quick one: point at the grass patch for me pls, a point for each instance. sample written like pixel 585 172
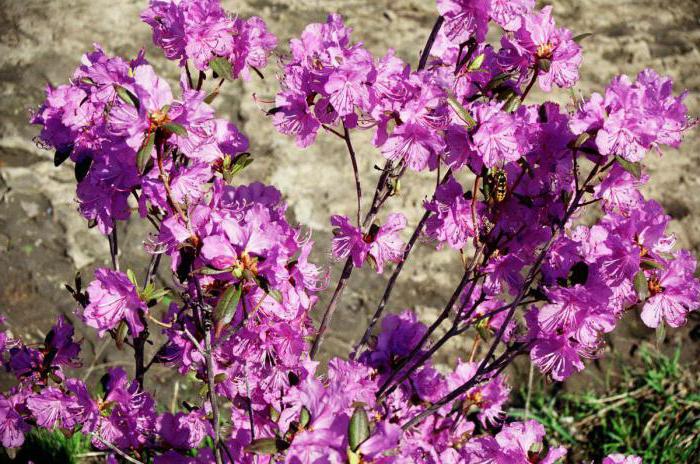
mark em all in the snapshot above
pixel 652 412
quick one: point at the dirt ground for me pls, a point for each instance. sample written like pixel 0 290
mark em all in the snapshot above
pixel 43 240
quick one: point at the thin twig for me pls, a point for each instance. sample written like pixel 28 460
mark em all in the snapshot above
pixel 353 160
pixel 115 449
pixel 429 44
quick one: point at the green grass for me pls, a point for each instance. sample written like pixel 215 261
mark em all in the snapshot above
pixel 652 412
pixel 51 447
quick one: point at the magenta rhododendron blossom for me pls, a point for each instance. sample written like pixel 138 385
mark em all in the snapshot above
pixel 540 42
pixel 113 298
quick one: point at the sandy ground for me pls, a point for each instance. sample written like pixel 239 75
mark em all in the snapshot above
pixel 43 240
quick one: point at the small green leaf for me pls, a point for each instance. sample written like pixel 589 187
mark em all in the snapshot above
pixel 132 277
pixel 497 81
pixel 641 286
pixel 213 271
pixel 461 112
pixel 241 162
pixel 545 64
pixel 633 168
pixel 62 154
pixel 176 129
pixel 211 97
pixel 221 67
pixel 304 417
pixel 266 446
pixel 512 104
pixel 144 154
pixel 218 378
pixel 122 332
pixel 581 139
pixel 476 63
pixel 227 305
pixel 127 96
pixel 581 37
pixel 353 457
pixel 358 429
pixel 274 414
pixel 649 264
pixel 275 295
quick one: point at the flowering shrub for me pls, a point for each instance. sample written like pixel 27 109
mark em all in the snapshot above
pixel 538 280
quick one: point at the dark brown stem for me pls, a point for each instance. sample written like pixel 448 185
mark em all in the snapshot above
pixel 113 240
pixel 330 310
pixel 429 44
pixel 395 275
pixel 353 160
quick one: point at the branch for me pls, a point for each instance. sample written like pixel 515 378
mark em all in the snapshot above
pixel 353 159
pixel 395 275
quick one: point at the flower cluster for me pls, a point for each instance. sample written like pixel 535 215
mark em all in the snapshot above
pixel 202 31
pixel 237 320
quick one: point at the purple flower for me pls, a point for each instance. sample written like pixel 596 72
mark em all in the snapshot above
pixel 451 221
pixel 496 140
pixel 12 426
pixel 348 241
pixel 464 19
pixel 508 13
pixel 387 245
pixel 292 116
pixel 674 292
pixel 539 41
pixel 621 459
pixel 52 408
pixel 183 431
pixel 113 298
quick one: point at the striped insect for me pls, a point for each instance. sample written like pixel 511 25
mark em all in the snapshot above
pixel 499 184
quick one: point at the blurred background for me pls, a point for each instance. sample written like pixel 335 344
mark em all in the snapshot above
pixel 43 241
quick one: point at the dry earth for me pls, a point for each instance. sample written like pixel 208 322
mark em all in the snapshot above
pixel 43 240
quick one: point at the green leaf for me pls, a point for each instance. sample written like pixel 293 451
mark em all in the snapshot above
pixel 512 104
pixel 461 112
pixel 633 168
pixel 221 67
pixel 220 377
pixel 176 129
pixel 581 37
pixel 497 81
pixel 358 429
pixel 211 97
pixel 120 336
pixel 227 305
pixel 144 154
pixel 650 264
pixel 545 64
pixel 213 271
pixel 127 96
pixel 241 162
pixel 132 277
pixel 581 139
pixel 266 446
pixel 353 457
pixel 476 63
pixel 61 155
pixel 304 417
pixel 275 295
pixel 641 286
